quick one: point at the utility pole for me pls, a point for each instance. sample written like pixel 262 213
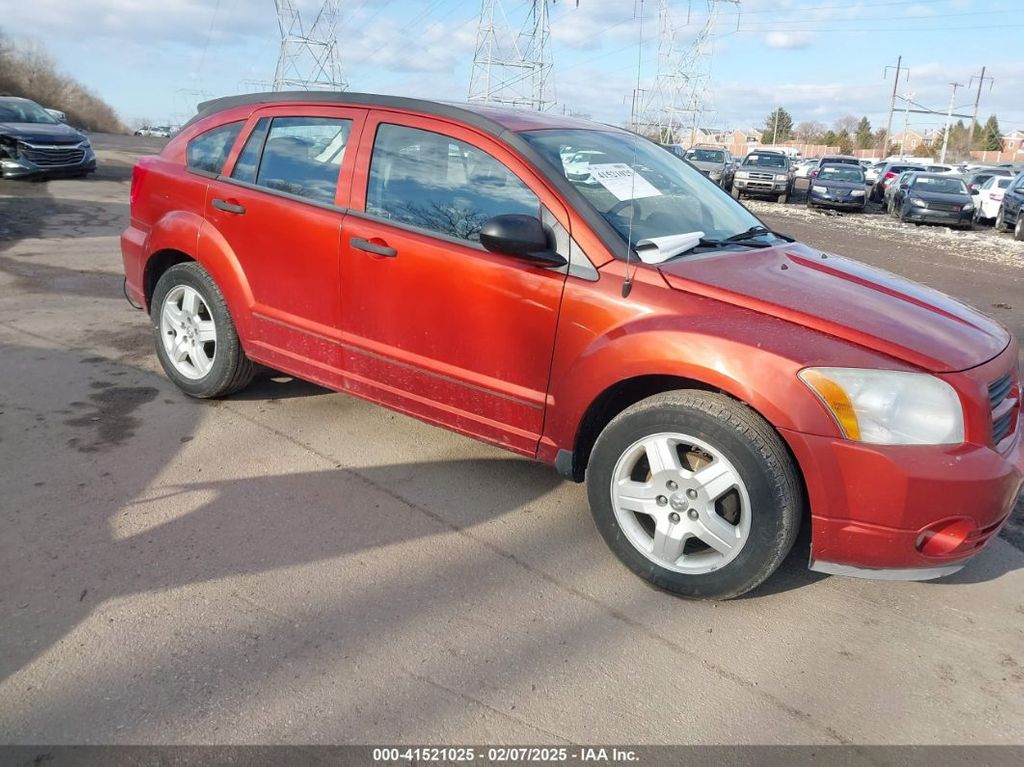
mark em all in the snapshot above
pixel 775 136
pixel 892 101
pixel 949 117
pixel 977 99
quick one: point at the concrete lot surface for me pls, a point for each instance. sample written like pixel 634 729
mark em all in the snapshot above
pixel 293 565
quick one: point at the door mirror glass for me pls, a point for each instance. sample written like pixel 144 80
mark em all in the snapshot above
pixel 520 236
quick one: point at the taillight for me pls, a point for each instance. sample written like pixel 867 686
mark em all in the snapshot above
pixel 890 175
pixel 133 190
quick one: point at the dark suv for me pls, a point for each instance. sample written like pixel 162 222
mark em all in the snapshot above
pixel 35 143
pixel 1011 212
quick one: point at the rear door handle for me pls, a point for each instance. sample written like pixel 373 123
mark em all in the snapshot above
pixel 229 207
pixel 371 247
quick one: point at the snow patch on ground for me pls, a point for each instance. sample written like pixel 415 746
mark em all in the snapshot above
pixel 983 244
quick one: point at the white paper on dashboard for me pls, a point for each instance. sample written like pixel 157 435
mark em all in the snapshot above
pixel 656 250
pixel 622 181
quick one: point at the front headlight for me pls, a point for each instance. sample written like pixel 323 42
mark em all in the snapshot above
pixel 857 193
pixel 888 407
pixel 742 174
pixel 716 174
pixel 819 189
pixel 917 202
pixel 968 206
pixel 781 177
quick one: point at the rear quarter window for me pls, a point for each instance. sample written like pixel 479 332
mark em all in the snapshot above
pixel 208 151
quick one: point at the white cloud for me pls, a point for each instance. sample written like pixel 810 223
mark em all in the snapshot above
pixel 787 40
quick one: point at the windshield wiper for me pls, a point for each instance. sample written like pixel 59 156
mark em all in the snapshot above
pixel 756 231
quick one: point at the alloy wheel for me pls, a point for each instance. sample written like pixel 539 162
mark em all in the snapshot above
pixel 681 503
pixel 188 332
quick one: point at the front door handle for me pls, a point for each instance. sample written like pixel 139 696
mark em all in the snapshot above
pixel 229 207
pixel 372 247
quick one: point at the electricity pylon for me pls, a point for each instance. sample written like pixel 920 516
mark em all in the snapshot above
pixel 513 69
pixel 674 106
pixel 309 58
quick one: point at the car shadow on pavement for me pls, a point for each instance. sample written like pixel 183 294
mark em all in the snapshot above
pixel 87 473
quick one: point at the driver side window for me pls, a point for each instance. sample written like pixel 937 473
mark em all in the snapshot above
pixel 435 182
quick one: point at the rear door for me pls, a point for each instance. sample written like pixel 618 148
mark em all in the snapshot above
pixel 434 324
pixel 280 210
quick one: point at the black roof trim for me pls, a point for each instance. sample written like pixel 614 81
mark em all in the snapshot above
pixel 349 98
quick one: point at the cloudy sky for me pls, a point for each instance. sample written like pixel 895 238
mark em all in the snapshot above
pixel 821 59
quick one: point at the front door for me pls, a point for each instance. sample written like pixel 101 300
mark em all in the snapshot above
pixel 432 323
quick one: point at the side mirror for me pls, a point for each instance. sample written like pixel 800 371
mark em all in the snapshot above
pixel 520 236
pixel 975 190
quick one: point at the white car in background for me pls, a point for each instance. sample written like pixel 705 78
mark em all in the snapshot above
pixel 577 167
pixel 989 198
pixel 804 167
pixel 871 172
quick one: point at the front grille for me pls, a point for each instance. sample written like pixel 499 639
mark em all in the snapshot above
pixel 762 176
pixel 944 207
pixel 51 157
pixel 1004 401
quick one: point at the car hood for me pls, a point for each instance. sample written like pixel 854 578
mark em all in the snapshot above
pixel 848 300
pixel 41 133
pixel 705 165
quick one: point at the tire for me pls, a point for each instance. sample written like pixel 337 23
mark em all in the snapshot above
pixel 783 198
pixel 1018 230
pixel 756 519
pixel 187 305
pixel 1000 223
pixel 735 192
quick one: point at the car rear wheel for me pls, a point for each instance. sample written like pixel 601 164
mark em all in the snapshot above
pixel 1001 223
pixel 1018 230
pixel 196 341
pixel 695 493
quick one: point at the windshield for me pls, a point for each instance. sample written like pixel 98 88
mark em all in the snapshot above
pixel 706 155
pixel 841 173
pixel 940 185
pixel 765 161
pixel 641 190
pixel 24 112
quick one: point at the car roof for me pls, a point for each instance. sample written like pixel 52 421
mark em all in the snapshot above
pixel 491 119
pixel 936 175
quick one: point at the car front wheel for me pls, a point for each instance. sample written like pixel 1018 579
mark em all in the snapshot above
pixel 196 340
pixel 1000 222
pixel 695 493
pixel 1018 230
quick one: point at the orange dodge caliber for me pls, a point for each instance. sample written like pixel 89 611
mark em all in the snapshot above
pixel 577 294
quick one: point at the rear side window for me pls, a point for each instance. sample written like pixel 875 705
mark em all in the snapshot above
pixel 438 183
pixel 302 156
pixel 209 151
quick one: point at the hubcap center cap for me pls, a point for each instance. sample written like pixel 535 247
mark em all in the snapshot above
pixel 678 501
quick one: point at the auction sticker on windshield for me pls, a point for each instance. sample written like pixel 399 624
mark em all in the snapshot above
pixel 622 181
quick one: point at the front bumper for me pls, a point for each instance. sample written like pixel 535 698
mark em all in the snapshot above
pixel 914 511
pixel 931 216
pixel 760 187
pixel 20 165
pixel 837 201
pixel 871 505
